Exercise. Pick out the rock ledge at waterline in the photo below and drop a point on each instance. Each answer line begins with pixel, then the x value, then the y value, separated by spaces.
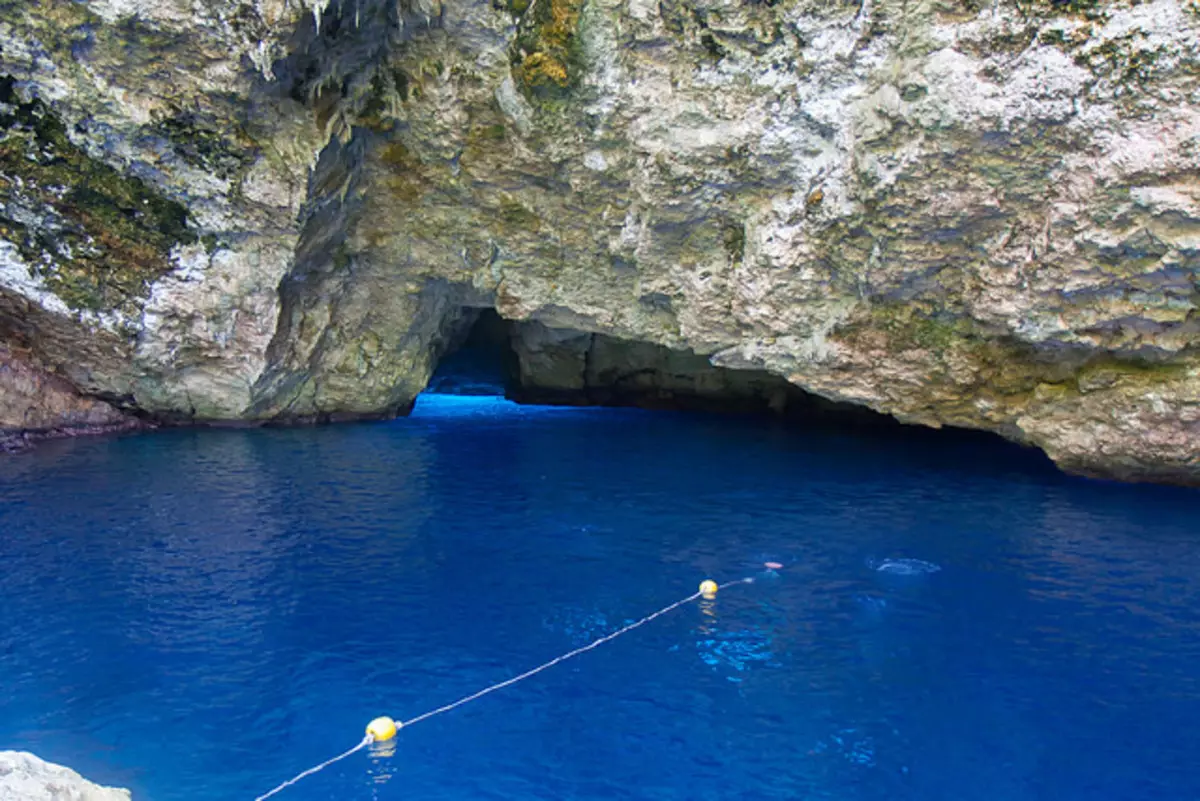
pixel 978 214
pixel 25 777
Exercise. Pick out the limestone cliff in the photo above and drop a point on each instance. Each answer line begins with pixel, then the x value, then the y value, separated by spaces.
pixel 980 214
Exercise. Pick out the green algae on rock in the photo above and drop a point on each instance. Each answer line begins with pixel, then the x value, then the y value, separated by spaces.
pixel 104 236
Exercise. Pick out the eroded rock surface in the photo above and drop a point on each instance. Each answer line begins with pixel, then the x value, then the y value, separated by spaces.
pixel 35 404
pixel 957 213
pixel 25 777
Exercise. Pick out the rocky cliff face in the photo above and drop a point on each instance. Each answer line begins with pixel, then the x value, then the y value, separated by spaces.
pixel 980 214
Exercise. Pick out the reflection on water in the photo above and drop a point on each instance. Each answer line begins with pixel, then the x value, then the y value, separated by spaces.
pixel 903 566
pixel 200 615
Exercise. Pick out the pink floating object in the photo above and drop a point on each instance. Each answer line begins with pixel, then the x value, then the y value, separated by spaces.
pixel 773 565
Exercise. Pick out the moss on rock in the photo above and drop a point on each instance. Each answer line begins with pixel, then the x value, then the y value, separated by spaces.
pixel 547 53
pixel 102 237
pixel 199 142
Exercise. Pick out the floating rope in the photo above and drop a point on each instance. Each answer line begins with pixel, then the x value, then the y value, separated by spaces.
pixel 385 728
pixel 318 768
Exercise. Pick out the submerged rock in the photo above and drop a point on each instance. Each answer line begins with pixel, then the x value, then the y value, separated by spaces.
pixel 25 777
pixel 983 215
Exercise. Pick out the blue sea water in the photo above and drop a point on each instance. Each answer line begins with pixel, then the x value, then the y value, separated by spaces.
pixel 199 615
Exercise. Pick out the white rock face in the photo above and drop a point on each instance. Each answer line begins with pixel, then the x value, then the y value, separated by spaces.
pixel 25 777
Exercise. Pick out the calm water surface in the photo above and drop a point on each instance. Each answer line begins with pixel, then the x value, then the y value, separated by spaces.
pixel 200 615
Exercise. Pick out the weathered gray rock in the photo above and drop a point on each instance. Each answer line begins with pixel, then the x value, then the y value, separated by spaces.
pixel 25 777
pixel 957 213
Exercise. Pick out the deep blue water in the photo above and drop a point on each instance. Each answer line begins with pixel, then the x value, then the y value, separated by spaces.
pixel 201 614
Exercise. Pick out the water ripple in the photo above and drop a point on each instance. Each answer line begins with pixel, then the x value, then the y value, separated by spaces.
pixel 199 615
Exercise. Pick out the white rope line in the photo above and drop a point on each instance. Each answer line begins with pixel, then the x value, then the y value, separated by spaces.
pixel 362 744
pixel 506 683
pixel 562 658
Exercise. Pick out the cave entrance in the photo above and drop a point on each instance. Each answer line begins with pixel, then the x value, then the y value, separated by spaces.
pixel 483 363
pixel 564 366
pixel 531 363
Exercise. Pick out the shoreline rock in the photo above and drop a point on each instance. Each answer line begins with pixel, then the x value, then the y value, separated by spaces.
pixel 20 440
pixel 26 777
pixel 37 405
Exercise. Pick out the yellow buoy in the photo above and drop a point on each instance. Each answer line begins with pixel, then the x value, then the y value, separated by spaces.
pixel 708 588
pixel 381 729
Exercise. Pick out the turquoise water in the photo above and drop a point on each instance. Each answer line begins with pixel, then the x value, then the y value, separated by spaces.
pixel 202 614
